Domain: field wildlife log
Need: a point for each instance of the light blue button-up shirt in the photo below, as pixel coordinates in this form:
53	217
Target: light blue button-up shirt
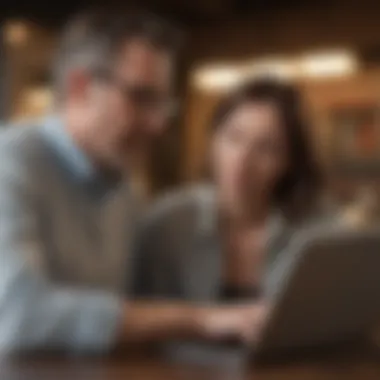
63	244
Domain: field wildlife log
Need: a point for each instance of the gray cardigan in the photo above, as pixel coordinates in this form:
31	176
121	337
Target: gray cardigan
177	252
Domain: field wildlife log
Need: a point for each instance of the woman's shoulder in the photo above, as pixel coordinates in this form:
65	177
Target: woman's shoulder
179	204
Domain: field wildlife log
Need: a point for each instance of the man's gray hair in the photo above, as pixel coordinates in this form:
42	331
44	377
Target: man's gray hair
92	39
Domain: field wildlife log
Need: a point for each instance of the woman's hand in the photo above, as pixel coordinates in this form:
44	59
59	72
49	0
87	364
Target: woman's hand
240	322
161	321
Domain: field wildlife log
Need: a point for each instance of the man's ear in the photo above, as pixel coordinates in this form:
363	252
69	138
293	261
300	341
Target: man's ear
78	83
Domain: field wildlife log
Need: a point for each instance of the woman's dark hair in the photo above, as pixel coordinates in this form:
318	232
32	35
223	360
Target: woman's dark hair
297	193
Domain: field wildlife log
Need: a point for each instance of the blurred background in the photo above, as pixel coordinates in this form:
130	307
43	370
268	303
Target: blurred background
331	49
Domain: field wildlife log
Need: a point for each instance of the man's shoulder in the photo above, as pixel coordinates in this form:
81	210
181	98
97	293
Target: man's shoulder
21	142
20	134
22	155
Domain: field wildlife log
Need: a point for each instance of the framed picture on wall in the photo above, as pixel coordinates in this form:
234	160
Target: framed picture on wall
356	138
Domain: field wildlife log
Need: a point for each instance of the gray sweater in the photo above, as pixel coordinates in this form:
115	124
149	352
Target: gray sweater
178	253
63	242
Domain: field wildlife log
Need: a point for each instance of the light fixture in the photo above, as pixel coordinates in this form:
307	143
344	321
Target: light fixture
219	77
38	99
328	64
16	33
275	67
318	65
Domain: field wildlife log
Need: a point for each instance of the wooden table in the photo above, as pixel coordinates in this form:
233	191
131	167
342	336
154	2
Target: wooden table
363	364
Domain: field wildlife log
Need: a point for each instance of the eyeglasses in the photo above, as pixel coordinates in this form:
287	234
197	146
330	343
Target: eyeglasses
147	98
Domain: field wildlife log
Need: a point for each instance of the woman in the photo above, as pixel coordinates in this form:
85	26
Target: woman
211	243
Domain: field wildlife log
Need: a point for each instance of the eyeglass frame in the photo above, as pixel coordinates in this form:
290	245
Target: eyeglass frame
129	93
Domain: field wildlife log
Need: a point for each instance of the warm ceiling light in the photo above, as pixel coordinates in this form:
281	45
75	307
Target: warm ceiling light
38	98
218	77
328	64
16	33
313	66
276	67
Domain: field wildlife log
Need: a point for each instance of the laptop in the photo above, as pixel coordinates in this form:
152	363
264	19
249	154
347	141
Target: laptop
324	291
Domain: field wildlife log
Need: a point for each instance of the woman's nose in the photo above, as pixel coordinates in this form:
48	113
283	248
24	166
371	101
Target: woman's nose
247	163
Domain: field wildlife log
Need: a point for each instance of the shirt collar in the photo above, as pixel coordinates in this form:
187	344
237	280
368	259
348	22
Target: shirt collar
73	159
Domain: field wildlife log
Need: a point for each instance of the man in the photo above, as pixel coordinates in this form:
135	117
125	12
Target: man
66	217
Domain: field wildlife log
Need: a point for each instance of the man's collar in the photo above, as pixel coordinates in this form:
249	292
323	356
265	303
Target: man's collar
69	153
74	160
